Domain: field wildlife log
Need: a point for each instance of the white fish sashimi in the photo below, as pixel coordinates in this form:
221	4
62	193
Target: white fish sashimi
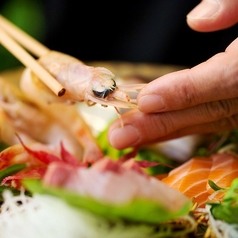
111	182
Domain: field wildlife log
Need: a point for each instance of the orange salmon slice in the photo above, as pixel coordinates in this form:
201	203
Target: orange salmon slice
223	171
191	178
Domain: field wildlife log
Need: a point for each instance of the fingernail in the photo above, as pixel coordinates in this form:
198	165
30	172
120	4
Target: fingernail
151	103
124	136
206	9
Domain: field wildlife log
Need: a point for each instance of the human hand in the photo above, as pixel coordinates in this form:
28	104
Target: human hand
202	99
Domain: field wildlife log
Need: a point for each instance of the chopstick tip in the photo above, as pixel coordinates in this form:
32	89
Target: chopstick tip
61	92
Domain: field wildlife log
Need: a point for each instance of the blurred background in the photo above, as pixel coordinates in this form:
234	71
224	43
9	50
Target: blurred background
150	31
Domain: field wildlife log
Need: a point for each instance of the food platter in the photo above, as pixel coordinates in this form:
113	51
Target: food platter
124	72
56	162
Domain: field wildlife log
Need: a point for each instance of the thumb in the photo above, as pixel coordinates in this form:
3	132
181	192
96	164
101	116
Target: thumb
212	15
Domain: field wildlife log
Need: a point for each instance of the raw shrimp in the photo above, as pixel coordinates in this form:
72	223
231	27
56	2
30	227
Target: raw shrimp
43	123
82	83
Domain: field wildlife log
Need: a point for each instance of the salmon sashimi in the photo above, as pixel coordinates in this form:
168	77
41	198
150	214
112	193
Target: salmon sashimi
223	171
191	178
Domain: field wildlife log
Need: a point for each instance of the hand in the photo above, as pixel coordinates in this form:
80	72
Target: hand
203	99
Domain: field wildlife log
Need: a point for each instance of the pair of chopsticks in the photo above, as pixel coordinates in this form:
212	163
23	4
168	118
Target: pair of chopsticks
16	41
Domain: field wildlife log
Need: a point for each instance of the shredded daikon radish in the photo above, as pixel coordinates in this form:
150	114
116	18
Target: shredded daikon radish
220	228
50	217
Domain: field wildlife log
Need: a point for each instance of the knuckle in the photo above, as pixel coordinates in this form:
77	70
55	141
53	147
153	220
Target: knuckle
229	122
224	124
186	92
163	124
220	109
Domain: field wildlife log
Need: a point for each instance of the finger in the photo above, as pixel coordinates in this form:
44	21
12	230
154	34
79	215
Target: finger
143	128
224	124
212	80
212	15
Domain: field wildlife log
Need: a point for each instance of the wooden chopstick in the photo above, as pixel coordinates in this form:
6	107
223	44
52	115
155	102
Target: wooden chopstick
10	35
28	42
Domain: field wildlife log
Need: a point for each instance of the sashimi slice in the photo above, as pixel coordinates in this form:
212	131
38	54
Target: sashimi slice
191	179
223	171
113	182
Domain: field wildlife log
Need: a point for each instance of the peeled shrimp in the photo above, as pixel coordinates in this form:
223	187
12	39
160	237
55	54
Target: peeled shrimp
82	83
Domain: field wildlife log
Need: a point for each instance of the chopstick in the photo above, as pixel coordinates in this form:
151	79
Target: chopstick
13	38
28	42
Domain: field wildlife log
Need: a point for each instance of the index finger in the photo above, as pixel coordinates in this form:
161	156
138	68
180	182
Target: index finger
212	80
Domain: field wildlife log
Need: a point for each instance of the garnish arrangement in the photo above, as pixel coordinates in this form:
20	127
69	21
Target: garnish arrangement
59	179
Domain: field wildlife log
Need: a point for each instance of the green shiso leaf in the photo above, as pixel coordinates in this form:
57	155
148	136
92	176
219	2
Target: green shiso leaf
11	170
232	192
228	214
8	172
228	209
139	210
164	164
108	149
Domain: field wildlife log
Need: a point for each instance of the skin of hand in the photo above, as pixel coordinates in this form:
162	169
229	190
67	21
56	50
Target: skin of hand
203	99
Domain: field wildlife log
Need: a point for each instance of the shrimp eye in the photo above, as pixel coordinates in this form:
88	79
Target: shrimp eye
106	91
102	94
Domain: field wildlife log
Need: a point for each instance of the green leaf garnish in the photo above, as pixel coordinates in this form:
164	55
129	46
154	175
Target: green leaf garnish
139	210
11	170
108	149
228	209
214	186
228	214
164	164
